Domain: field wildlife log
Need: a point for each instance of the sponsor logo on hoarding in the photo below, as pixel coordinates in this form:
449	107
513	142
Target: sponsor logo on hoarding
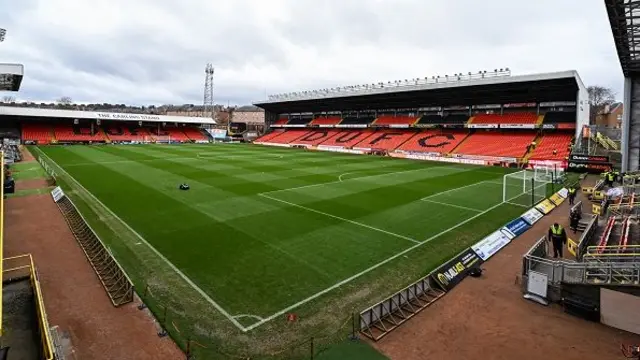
591	167
517	126
490	245
518	226
57	194
451	273
532	216
589	158
556	199
548	126
482	126
545	206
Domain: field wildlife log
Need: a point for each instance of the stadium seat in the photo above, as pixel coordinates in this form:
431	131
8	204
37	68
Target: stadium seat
509	118
299	120
498	144
326	120
395	120
550	142
194	134
352	120
268	136
288	136
70	133
122	133
348	138
281	121
434	141
385	140
169	134
316	137
40	133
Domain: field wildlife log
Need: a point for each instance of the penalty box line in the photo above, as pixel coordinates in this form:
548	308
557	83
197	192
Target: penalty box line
369	269
217	306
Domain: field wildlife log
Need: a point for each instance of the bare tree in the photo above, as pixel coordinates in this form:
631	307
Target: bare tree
599	98
8	99
65	100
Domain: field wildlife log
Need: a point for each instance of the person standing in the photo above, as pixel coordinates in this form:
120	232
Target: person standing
572	195
558	237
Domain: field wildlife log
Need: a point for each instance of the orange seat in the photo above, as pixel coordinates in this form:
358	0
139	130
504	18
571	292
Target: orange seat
269	136
68	133
498	144
550	142
348	138
288	136
395	120
434	141
316	137
40	133
326	120
194	134
385	140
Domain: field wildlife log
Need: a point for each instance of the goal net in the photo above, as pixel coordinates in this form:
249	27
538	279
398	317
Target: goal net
525	188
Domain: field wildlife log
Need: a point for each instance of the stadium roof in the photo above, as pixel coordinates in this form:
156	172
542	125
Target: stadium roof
549	87
624	16
94	115
11	77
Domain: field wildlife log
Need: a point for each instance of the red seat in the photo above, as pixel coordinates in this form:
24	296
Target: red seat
288	136
39	133
316	137
269	136
66	133
348	138
281	121
550	142
194	134
498	144
385	140
434	141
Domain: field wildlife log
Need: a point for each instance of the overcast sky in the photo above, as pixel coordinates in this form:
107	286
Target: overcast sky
154	51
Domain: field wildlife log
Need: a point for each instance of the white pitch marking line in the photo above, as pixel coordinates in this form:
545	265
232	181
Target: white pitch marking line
347	173
454	189
248	315
371	268
177	271
341	218
359	178
452	205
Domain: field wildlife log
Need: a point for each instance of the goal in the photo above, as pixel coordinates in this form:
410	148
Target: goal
525	188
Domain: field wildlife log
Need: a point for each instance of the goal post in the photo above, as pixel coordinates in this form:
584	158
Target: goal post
525	188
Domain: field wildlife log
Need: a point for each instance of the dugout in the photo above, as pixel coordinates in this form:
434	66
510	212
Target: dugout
459	94
624	18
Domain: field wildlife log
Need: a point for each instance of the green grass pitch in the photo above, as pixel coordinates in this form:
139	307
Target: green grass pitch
267	231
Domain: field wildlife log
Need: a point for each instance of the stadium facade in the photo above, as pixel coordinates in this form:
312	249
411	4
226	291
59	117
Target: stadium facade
485	118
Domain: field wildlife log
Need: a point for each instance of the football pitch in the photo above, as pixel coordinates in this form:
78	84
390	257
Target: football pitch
267	231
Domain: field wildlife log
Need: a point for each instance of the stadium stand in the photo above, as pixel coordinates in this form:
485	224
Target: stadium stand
395	120
288	136
71	133
348	138
362	120
40	133
452	119
552	141
316	137
501	144
559	117
119	133
513	118
326	120
169	134
385	140
441	141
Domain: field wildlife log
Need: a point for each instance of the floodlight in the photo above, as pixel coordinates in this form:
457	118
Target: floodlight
3	33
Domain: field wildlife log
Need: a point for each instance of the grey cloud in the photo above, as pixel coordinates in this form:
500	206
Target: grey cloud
154	51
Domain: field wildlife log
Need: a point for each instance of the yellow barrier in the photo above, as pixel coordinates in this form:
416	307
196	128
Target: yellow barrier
598	195
596	209
572	246
587	189
25	267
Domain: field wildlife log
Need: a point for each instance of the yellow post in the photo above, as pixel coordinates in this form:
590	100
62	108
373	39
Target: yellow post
1	232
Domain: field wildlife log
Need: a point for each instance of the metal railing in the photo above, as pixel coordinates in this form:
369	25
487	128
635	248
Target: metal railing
22	266
595	273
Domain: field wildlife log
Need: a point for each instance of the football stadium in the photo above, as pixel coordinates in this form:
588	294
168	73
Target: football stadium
347	220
